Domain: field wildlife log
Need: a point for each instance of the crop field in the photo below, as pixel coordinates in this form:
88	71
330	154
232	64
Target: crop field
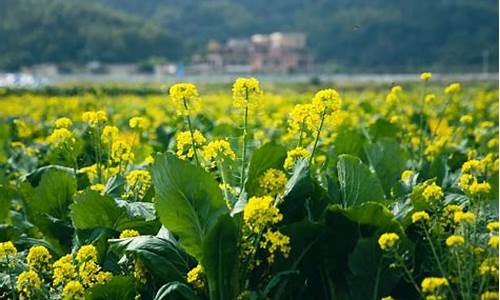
251	192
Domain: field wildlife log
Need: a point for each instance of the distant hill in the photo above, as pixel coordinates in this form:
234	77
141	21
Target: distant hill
36	31
351	35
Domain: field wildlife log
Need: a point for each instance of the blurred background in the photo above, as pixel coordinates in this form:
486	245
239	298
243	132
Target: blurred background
45	41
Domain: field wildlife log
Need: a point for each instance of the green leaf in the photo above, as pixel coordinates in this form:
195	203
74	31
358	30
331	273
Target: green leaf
220	259
370	276
303	196
388	160
118	288
47	206
93	210
349	141
383	128
266	157
188	201
357	183
163	259
175	290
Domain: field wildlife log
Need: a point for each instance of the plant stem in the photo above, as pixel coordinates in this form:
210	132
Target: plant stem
299	144
317	136
438	262
408	274
440	116
421	128
244	150
188	120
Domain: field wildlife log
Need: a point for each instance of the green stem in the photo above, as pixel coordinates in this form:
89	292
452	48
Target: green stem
299	144
408	273
244	150
436	257
188	120
317	136
421	128
440	116
224	182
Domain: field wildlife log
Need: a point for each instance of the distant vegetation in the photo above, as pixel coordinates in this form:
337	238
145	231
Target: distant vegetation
349	35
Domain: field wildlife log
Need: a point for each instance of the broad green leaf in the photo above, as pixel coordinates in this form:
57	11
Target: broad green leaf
220	259
118	288
188	201
370	276
163	259
357	183
92	210
175	290
303	196
388	160
383	128
268	156
47	206
349	141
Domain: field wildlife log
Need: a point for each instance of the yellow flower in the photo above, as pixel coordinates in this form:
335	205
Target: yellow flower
91	171
149	160
426	76
387	298
63	270
455	240
139	122
453	88
275	241
129	233
109	133
60	136
430	99
493	241
388	240
492	226
489	295
186	99
293	155
7	249
98	187
432	284
471	166
38	258
63	123
91	274
405	176
184	143
260	212
246	92
420	216
73	290
94	118
396	89
121	152
327	99
489	267
86	253
391	98
273	182
194	277
218	150
466	119
139	182
433	193
300	119
479	188
28	283
465	181
467	217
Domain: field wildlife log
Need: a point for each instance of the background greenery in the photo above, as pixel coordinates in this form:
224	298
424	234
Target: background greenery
349	35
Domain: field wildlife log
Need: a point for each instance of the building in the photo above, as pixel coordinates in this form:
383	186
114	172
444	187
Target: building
270	53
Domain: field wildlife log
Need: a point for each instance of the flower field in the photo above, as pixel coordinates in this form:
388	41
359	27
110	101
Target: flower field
376	192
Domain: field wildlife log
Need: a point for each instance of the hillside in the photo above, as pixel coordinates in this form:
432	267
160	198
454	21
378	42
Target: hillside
366	35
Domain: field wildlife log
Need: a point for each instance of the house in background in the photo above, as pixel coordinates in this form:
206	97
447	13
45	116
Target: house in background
267	53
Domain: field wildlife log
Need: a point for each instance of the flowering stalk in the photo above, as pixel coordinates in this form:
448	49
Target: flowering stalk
188	120
421	126
408	273
317	135
244	150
